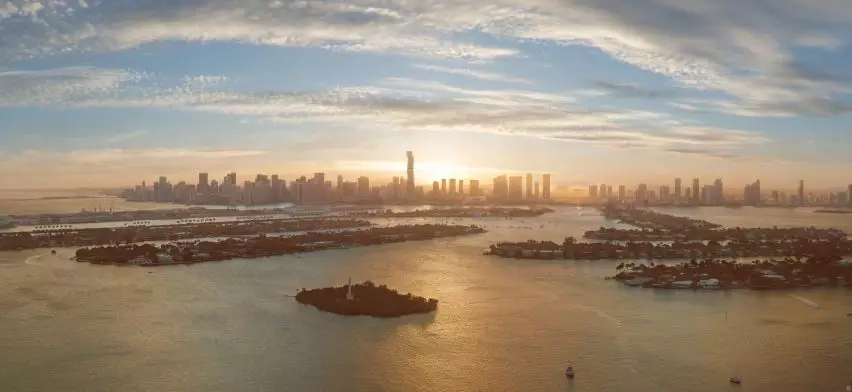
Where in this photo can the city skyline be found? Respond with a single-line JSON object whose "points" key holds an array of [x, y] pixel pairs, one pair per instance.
{"points": [[94, 93]]}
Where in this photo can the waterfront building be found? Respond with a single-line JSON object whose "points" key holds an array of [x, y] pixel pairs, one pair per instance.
{"points": [[609, 192], [664, 193], [602, 191], [409, 179], [529, 186], [677, 188], [516, 186], [474, 188], [444, 186], [452, 186], [436, 187], [535, 196], [363, 187], [202, 183], [593, 192], [696, 190], [461, 187], [501, 187], [545, 184], [622, 193]]}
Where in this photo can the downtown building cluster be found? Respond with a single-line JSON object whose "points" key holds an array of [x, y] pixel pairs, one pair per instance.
{"points": [[270, 189], [715, 194]]}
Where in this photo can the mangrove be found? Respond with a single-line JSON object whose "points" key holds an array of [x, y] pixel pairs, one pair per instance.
{"points": [[366, 299]]}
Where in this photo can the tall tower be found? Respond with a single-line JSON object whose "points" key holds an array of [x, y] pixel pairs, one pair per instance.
{"points": [[409, 180], [545, 186], [529, 186], [696, 190], [677, 190], [202, 182], [801, 192]]}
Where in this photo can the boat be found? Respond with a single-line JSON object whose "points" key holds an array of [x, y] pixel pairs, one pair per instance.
{"points": [[736, 378], [569, 372], [53, 252]]}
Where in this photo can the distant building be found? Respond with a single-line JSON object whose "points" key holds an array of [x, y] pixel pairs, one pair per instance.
{"points": [[444, 186], [622, 193], [474, 188], [801, 193], [436, 187], [545, 184], [202, 183], [452, 186], [461, 187], [363, 187], [696, 190], [409, 180], [593, 191], [677, 188], [501, 187], [535, 196], [516, 188], [529, 186]]}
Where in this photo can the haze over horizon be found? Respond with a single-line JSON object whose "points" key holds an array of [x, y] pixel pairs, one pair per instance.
{"points": [[100, 93]]}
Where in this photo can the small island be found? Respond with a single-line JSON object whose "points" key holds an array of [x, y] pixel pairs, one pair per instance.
{"points": [[366, 299]]}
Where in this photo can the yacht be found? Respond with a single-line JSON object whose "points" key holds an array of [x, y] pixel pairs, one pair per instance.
{"points": [[735, 380]]}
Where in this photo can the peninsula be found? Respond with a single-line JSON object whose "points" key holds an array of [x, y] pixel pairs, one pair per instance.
{"points": [[263, 246], [366, 299]]}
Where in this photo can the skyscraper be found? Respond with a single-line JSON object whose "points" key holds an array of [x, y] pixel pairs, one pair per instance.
{"points": [[409, 180], [461, 187], [622, 193], [593, 191], [444, 186], [516, 188], [536, 194], [849, 193], [436, 187], [801, 192], [602, 192], [339, 184], [202, 182], [501, 187], [363, 186], [545, 186], [474, 188], [696, 190], [677, 190], [452, 186], [529, 187]]}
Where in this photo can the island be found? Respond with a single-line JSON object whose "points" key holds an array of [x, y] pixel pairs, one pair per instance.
{"points": [[181, 231], [647, 219], [571, 249], [714, 274], [459, 212], [262, 246], [366, 299]]}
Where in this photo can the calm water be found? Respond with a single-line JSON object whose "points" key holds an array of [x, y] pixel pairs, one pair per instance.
{"points": [[502, 325]]}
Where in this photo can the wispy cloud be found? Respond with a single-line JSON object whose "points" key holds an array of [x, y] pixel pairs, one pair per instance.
{"points": [[476, 74]]}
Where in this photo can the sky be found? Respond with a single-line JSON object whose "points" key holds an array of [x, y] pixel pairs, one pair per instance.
{"points": [[103, 93]]}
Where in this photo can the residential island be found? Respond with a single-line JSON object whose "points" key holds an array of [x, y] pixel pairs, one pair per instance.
{"points": [[711, 274], [460, 212], [263, 246], [366, 299], [129, 234]]}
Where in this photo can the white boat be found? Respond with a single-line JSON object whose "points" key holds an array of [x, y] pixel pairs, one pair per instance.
{"points": [[736, 378]]}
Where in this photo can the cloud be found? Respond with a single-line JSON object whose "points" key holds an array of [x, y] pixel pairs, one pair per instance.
{"points": [[745, 49], [629, 90], [482, 75], [56, 86]]}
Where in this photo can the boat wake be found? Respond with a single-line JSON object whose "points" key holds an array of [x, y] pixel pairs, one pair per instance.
{"points": [[31, 260], [807, 301]]}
